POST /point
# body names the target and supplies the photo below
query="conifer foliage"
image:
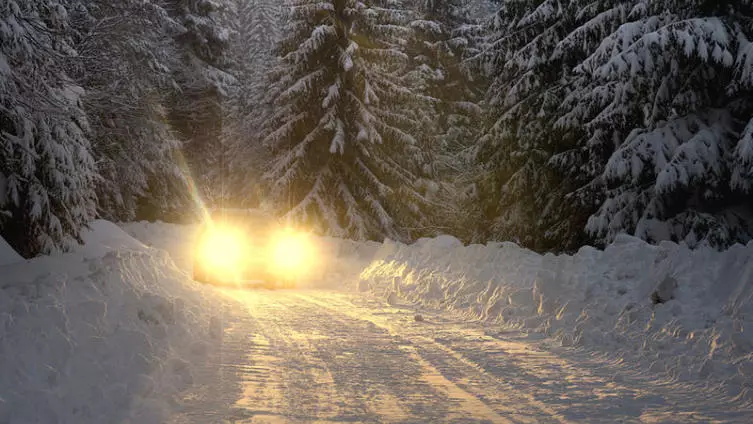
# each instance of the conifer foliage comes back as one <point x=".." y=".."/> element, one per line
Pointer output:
<point x="344" y="162"/>
<point x="128" y="83"/>
<point x="46" y="167"/>
<point x="89" y="94"/>
<point x="675" y="79"/>
<point x="619" y="116"/>
<point x="200" y="68"/>
<point x="256" y="25"/>
<point x="548" y="123"/>
<point x="524" y="193"/>
<point x="442" y="38"/>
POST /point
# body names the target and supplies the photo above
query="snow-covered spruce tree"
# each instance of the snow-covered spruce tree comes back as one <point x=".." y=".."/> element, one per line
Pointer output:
<point x="124" y="49"/>
<point x="255" y="29"/>
<point x="650" y="126"/>
<point x="671" y="87"/>
<point x="449" y="119"/>
<point x="200" y="69"/>
<point x="343" y="162"/>
<point x="583" y="150"/>
<point x="523" y="191"/>
<point x="259" y="26"/>
<point x="46" y="169"/>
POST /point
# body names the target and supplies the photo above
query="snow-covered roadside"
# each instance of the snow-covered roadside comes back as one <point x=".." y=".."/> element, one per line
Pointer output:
<point x="598" y="300"/>
<point x="108" y="333"/>
<point x="341" y="261"/>
<point x="602" y="300"/>
<point x="176" y="239"/>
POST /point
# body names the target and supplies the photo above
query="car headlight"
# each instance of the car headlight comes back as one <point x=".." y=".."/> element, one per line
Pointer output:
<point x="223" y="248"/>
<point x="293" y="253"/>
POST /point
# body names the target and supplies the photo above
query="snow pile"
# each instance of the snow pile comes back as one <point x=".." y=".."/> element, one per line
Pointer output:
<point x="104" y="334"/>
<point x="686" y="313"/>
<point x="339" y="262"/>
<point x="177" y="239"/>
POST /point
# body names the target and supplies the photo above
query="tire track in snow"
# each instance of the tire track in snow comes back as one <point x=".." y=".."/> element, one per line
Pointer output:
<point x="466" y="380"/>
<point x="374" y="377"/>
<point x="560" y="389"/>
<point x="571" y="384"/>
<point x="294" y="367"/>
<point x="314" y="332"/>
<point x="328" y="357"/>
<point x="217" y="382"/>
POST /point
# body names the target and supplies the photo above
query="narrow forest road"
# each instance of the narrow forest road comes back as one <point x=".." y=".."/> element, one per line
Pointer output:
<point x="320" y="356"/>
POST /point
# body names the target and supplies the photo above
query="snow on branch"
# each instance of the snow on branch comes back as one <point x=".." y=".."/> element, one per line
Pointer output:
<point x="313" y="44"/>
<point x="699" y="161"/>
<point x="591" y="31"/>
<point x="337" y="145"/>
<point x="304" y="84"/>
<point x="303" y="11"/>
<point x="284" y="131"/>
<point x="636" y="43"/>
<point x="742" y="172"/>
<point x="373" y="179"/>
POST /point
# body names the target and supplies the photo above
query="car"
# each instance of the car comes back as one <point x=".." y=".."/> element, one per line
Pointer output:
<point x="249" y="248"/>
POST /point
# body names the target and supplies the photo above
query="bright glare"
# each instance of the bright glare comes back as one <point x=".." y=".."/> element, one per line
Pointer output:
<point x="223" y="248"/>
<point x="293" y="253"/>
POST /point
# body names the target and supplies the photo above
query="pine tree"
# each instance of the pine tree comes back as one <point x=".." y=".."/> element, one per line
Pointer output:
<point x="439" y="43"/>
<point x="525" y="192"/>
<point x="200" y="69"/>
<point x="128" y="82"/>
<point x="669" y="86"/>
<point x="256" y="27"/>
<point x="46" y="169"/>
<point x="633" y="111"/>
<point x="343" y="162"/>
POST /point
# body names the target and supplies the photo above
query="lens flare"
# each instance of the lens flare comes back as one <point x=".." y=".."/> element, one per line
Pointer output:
<point x="193" y="189"/>
<point x="223" y="249"/>
<point x="292" y="253"/>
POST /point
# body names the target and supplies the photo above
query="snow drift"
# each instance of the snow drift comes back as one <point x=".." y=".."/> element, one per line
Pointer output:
<point x="176" y="239"/>
<point x="104" y="334"/>
<point x="339" y="261"/>
<point x="686" y="313"/>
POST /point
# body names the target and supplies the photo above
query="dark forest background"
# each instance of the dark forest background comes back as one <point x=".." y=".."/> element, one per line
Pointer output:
<point x="548" y="123"/>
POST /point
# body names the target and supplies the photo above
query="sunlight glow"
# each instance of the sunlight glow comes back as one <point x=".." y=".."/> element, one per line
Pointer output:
<point x="293" y="253"/>
<point x="193" y="189"/>
<point x="223" y="249"/>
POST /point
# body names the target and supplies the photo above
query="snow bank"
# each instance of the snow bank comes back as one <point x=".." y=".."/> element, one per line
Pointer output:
<point x="104" y="334"/>
<point x="339" y="262"/>
<point x="685" y="313"/>
<point x="176" y="239"/>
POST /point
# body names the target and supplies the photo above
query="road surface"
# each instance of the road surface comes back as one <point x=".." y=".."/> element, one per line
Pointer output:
<point x="330" y="357"/>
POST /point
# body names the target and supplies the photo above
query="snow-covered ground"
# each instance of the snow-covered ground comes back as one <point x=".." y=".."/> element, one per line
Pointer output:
<point x="118" y="332"/>
<point x="106" y="334"/>
<point x="686" y="314"/>
<point x="113" y="332"/>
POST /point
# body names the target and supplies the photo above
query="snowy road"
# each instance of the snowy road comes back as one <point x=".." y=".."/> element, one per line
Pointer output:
<point x="122" y="335"/>
<point x="319" y="356"/>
